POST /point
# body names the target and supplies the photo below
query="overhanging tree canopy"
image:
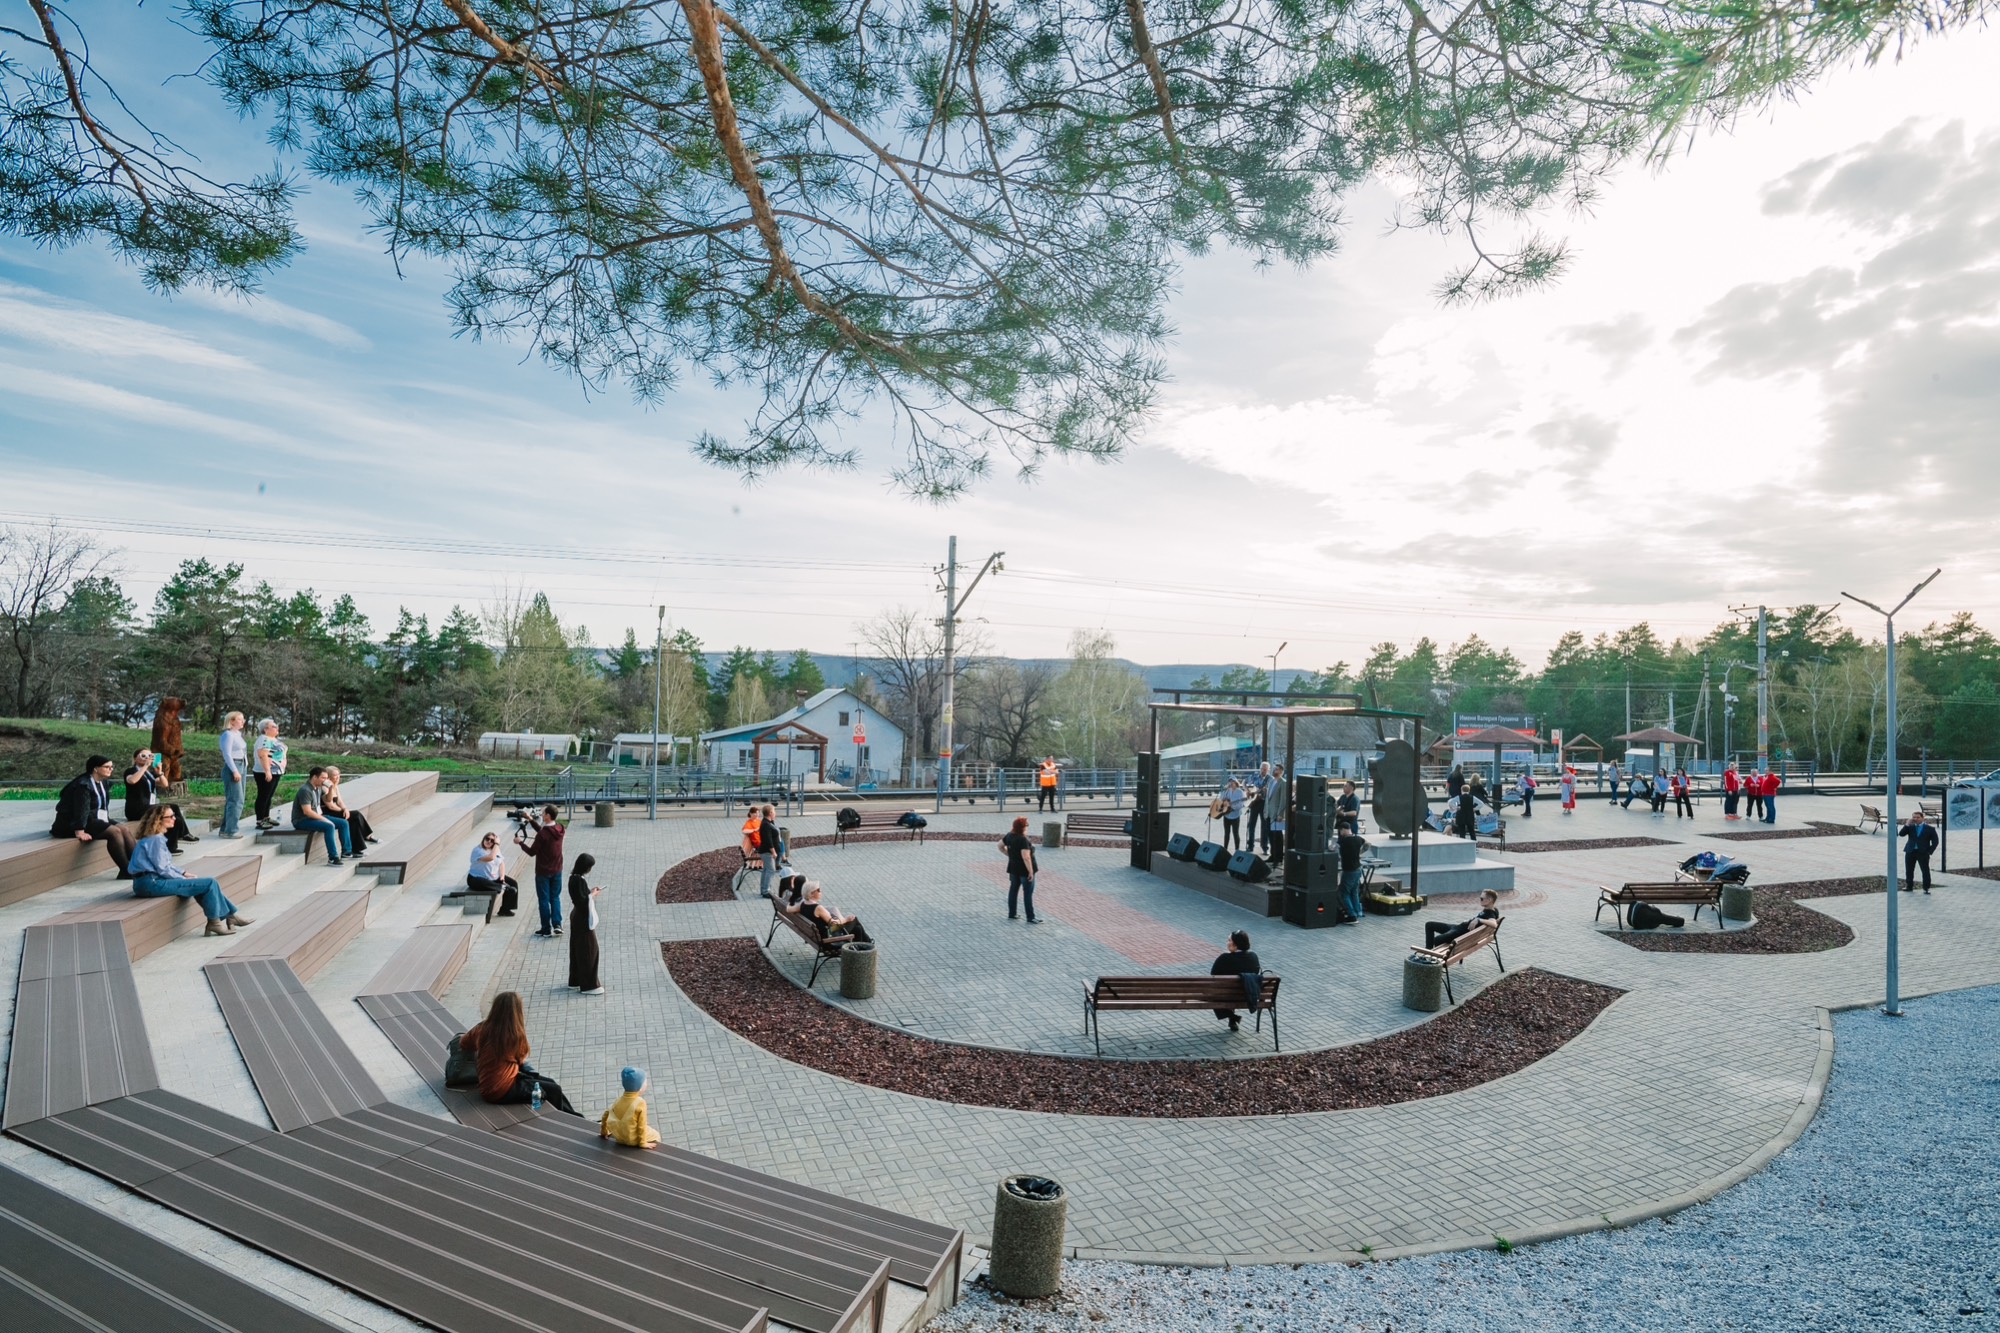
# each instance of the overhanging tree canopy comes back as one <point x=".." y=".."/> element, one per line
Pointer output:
<point x="963" y="214"/>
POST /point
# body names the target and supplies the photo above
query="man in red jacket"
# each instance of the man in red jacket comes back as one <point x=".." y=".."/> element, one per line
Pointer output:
<point x="1769" y="788"/>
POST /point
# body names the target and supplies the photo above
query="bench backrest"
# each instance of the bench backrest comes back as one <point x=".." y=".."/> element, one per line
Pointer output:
<point x="1204" y="989"/>
<point x="1473" y="940"/>
<point x="808" y="930"/>
<point x="1639" y="892"/>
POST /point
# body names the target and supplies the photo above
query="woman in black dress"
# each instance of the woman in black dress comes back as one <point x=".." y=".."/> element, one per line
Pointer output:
<point x="583" y="927"/>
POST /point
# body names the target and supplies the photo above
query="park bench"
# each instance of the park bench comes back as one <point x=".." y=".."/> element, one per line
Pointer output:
<point x="32" y="862"/>
<point x="877" y="821"/>
<point x="149" y="923"/>
<point x="1695" y="893"/>
<point x="1113" y="825"/>
<point x="1871" y="814"/>
<point x="1189" y="993"/>
<point x="1484" y="934"/>
<point x="826" y="948"/>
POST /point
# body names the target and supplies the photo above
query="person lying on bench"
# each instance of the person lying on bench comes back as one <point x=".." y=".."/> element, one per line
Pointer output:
<point x="500" y="1048"/>
<point x="830" y="919"/>
<point x="154" y="874"/>
<point x="1439" y="932"/>
<point x="1235" y="961"/>
<point x="83" y="812"/>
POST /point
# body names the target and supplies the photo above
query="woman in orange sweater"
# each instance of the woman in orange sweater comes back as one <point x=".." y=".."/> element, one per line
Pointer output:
<point x="500" y="1045"/>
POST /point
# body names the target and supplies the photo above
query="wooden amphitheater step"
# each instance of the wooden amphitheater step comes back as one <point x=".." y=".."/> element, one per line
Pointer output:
<point x="32" y="862"/>
<point x="428" y="961"/>
<point x="444" y="829"/>
<point x="303" y="1070"/>
<point x="149" y="923"/>
<point x="308" y="935"/>
<point x="79" y="1037"/>
<point x="379" y="796"/>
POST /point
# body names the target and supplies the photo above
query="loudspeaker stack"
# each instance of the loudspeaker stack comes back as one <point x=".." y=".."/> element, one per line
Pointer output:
<point x="1309" y="826"/>
<point x="1151" y="832"/>
<point x="1311" y="908"/>
<point x="1315" y="871"/>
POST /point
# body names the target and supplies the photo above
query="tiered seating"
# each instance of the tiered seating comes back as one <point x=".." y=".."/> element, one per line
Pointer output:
<point x="421" y="1028"/>
<point x="303" y="1070"/>
<point x="32" y="862"/>
<point x="78" y="1035"/>
<point x="446" y="828"/>
<point x="428" y="961"/>
<point x="307" y="936"/>
<point x="380" y="796"/>
<point x="149" y="923"/>
<point x="65" y="1265"/>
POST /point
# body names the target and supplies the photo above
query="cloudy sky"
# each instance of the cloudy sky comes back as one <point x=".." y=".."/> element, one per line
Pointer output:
<point x="1772" y="373"/>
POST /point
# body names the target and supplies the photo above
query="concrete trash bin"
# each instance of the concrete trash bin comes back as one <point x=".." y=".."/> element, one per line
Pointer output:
<point x="1736" y="902"/>
<point x="607" y="814"/>
<point x="1051" y="833"/>
<point x="1029" y="1216"/>
<point x="1423" y="985"/>
<point x="857" y="971"/>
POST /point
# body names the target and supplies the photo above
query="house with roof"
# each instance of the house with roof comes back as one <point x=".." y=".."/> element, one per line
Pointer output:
<point x="816" y="739"/>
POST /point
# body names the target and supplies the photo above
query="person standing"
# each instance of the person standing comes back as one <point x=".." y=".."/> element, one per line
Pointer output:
<point x="235" y="771"/>
<point x="83" y="812"/>
<point x="1615" y="771"/>
<point x="1021" y="870"/>
<point x="1769" y="788"/>
<point x="1234" y="798"/>
<point x="1352" y="845"/>
<point x="1920" y="839"/>
<point x="1753" y="795"/>
<point x="583" y="953"/>
<point x="1347" y="809"/>
<point x="543" y="840"/>
<point x="1047" y="778"/>
<point x="1454" y="782"/>
<point x="1525" y="784"/>
<point x="267" y="765"/>
<point x="768" y="847"/>
<point x="154" y="874"/>
<point x="1732" y="789"/>
<point x="1569" y="791"/>
<point x="1683" y="795"/>
<point x="1259" y="787"/>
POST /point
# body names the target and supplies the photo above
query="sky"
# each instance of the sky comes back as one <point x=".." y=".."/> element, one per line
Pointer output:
<point x="1771" y="374"/>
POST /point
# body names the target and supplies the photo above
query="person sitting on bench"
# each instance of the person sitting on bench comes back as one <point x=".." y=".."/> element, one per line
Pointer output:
<point x="830" y="919"/>
<point x="142" y="793"/>
<point x="500" y="1048"/>
<point x="1440" y="932"/>
<point x="1235" y="961"/>
<point x="83" y="812"/>
<point x="309" y="815"/>
<point x="360" y="832"/>
<point x="154" y="874"/>
<point x="488" y="874"/>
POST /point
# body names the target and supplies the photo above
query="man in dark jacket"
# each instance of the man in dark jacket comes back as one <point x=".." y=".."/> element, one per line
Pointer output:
<point x="543" y="839"/>
<point x="768" y="848"/>
<point x="1920" y="839"/>
<point x="83" y="812"/>
<point x="1235" y="961"/>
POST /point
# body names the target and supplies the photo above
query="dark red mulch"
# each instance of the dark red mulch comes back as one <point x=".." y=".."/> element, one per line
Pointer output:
<point x="826" y="839"/>
<point x="702" y="878"/>
<point x="1814" y="829"/>
<point x="1577" y="845"/>
<point x="1781" y="925"/>
<point x="1514" y="1022"/>
<point x="1980" y="872"/>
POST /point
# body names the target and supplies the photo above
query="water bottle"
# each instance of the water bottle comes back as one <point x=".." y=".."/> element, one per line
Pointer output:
<point x="535" y="1095"/>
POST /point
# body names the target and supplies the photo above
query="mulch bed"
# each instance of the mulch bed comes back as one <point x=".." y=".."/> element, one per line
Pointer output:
<point x="1782" y="926"/>
<point x="1508" y="1026"/>
<point x="706" y="876"/>
<point x="1814" y="829"/>
<point x="1980" y="872"/>
<point x="1576" y="845"/>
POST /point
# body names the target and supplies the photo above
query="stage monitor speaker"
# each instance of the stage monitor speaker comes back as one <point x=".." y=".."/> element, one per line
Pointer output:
<point x="1312" y="870"/>
<point x="1181" y="847"/>
<point x="1311" y="908"/>
<point x="1249" y="867"/>
<point x="1211" y="856"/>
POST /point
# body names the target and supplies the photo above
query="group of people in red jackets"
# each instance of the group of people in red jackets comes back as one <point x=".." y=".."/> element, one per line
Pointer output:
<point x="1759" y="789"/>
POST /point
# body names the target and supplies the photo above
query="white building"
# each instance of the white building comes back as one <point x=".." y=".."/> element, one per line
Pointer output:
<point x="815" y="739"/>
<point x="527" y="744"/>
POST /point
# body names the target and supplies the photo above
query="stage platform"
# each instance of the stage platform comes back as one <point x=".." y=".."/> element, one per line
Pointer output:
<point x="1447" y="865"/>
<point x="1266" y="899"/>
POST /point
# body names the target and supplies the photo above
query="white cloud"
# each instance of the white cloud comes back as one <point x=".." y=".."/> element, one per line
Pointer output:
<point x="269" y="311"/>
<point x="43" y="321"/>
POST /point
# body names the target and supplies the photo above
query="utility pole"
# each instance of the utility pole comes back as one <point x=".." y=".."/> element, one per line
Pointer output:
<point x="1892" y="996"/>
<point x="1628" y="696"/>
<point x="953" y="604"/>
<point x="1763" y="690"/>
<point x="653" y="791"/>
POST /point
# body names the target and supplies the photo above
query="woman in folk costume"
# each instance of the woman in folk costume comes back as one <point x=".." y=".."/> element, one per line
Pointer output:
<point x="1569" y="791"/>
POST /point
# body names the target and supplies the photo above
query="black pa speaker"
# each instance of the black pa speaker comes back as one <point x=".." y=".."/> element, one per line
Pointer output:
<point x="1211" y="856"/>
<point x="1150" y="833"/>
<point x="1181" y="847"/>
<point x="1312" y="908"/>
<point x="1317" y="871"/>
<point x="1249" y="867"/>
<point x="1149" y="782"/>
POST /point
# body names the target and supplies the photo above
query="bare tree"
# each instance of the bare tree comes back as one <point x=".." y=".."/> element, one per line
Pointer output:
<point x="1007" y="709"/>
<point x="908" y="649"/>
<point x="38" y="566"/>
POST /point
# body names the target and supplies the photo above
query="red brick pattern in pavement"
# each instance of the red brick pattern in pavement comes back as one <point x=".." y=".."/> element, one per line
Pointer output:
<point x="1124" y="930"/>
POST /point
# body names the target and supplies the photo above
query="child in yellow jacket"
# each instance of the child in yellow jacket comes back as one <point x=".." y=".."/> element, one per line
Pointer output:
<point x="626" y="1120"/>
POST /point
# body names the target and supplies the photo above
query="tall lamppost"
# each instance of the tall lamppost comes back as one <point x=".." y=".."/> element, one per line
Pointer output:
<point x="653" y="789"/>
<point x="1893" y="1001"/>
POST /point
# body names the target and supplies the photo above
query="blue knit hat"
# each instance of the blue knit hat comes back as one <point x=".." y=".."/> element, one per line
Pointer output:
<point x="633" y="1079"/>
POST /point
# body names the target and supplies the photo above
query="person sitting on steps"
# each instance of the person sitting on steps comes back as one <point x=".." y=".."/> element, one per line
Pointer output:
<point x="309" y="815"/>
<point x="83" y="812"/>
<point x="1235" y="961"/>
<point x="359" y="831"/>
<point x="142" y="792"/>
<point x="154" y="874"/>
<point x="488" y="874"/>
<point x="1440" y="932"/>
<point x="830" y="919"/>
<point x="625" y="1122"/>
<point x="500" y="1047"/>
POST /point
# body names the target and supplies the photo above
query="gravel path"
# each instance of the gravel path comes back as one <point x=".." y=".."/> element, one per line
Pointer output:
<point x="1881" y="1217"/>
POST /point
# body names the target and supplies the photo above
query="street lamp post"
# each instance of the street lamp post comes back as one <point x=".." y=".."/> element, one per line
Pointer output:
<point x="653" y="788"/>
<point x="1893" y="999"/>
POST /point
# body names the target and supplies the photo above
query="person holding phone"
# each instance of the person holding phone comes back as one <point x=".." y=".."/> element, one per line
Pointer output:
<point x="143" y="781"/>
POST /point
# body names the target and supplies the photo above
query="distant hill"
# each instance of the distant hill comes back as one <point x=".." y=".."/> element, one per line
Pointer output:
<point x="839" y="668"/>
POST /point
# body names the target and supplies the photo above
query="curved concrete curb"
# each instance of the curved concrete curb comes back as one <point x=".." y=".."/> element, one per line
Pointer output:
<point x="1802" y="1114"/>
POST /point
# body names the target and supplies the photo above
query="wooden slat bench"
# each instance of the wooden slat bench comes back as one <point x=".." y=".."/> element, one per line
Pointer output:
<point x="1176" y="993"/>
<point x="876" y="821"/>
<point x="32" y="862"/>
<point x="420" y="1027"/>
<point x="1483" y="935"/>
<point x="446" y="828"/>
<point x="1113" y="825"/>
<point x="429" y="960"/>
<point x="303" y="1070"/>
<point x="151" y="922"/>
<point x="65" y="1265"/>
<point x="79" y="1037"/>
<point x="825" y="948"/>
<point x="308" y="934"/>
<point x="1871" y="815"/>
<point x="1695" y="893"/>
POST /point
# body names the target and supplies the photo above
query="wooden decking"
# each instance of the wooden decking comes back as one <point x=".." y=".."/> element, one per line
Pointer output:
<point x="308" y="934"/>
<point x="446" y="829"/>
<point x="420" y="1028"/>
<point x="303" y="1070"/>
<point x="78" y="1034"/>
<point x="428" y="961"/>
<point x="152" y="922"/>
<point x="32" y="862"/>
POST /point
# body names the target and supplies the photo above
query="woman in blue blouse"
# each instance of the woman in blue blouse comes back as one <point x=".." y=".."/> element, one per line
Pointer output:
<point x="154" y="875"/>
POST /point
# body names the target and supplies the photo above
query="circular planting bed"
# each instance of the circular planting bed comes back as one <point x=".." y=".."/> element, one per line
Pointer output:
<point x="1782" y="926"/>
<point x="1508" y="1026"/>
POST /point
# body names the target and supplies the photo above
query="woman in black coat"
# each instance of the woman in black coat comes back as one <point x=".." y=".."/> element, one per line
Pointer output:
<point x="583" y="927"/>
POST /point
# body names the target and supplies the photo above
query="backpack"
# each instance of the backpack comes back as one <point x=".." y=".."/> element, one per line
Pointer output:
<point x="848" y="818"/>
<point x="460" y="1070"/>
<point x="909" y="819"/>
